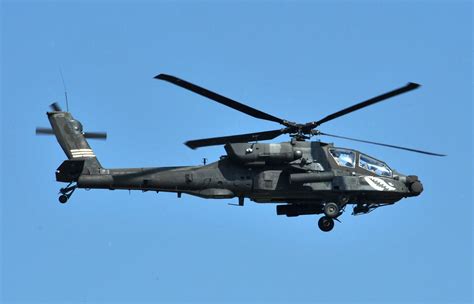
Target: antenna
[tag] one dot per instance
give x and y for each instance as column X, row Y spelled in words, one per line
column 65, row 90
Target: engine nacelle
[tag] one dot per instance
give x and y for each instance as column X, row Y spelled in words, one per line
column 257, row 153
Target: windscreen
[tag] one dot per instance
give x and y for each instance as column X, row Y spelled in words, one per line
column 343, row 157
column 370, row 164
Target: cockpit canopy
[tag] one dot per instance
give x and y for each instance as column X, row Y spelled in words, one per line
column 349, row 158
column 343, row 157
column 371, row 164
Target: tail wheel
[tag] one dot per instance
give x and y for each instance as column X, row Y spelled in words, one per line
column 326, row 224
column 63, row 198
column 331, row 210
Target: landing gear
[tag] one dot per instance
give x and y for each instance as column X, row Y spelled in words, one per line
column 331, row 210
column 331, row 213
column 63, row 199
column 66, row 193
column 326, row 224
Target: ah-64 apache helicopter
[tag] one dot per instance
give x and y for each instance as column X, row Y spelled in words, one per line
column 303, row 177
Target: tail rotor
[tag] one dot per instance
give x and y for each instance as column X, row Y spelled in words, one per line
column 55, row 107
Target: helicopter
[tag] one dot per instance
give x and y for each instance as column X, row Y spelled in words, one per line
column 301, row 177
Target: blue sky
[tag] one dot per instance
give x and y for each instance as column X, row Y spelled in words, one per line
column 297, row 60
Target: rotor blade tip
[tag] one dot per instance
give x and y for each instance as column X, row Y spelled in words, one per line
column 414, row 85
column 190, row 145
column 163, row 76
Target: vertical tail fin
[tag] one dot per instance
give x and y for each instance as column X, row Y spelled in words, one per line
column 72, row 139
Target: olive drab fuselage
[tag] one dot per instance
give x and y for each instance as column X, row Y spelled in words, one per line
column 300, row 176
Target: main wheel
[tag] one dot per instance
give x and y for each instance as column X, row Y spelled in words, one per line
column 331, row 210
column 63, row 199
column 326, row 224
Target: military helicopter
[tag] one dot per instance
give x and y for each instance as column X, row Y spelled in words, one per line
column 302, row 177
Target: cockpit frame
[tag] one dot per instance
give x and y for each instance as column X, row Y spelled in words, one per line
column 350, row 160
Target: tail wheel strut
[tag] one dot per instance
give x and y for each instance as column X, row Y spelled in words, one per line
column 66, row 193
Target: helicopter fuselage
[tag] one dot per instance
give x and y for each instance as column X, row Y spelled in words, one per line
column 302, row 177
column 298, row 173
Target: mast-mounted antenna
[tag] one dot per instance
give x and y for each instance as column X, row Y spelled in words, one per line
column 65, row 90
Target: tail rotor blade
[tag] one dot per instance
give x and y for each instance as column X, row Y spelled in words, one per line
column 89, row 135
column 381, row 144
column 55, row 107
column 44, row 131
column 96, row 135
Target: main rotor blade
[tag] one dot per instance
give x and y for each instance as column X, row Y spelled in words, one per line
column 220, row 99
column 193, row 144
column 410, row 86
column 380, row 144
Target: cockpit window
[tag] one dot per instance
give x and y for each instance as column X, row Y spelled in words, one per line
column 370, row 164
column 343, row 157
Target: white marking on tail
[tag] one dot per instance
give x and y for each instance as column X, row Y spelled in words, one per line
column 76, row 153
